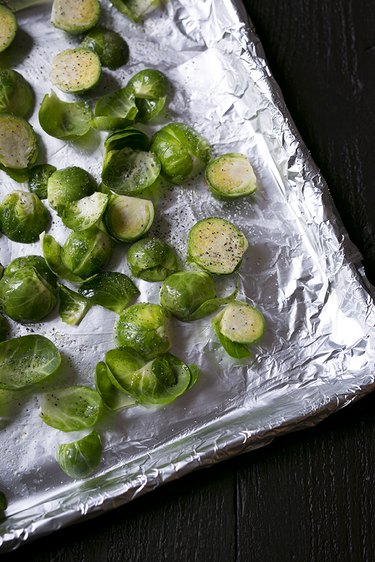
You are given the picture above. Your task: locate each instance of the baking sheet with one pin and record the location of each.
(301, 270)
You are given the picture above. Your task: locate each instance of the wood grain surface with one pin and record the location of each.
(309, 496)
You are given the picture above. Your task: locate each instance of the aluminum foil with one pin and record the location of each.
(301, 270)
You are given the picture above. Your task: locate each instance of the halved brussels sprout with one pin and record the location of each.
(121, 363)
(237, 326)
(23, 217)
(112, 397)
(4, 328)
(110, 47)
(64, 120)
(71, 408)
(149, 109)
(136, 9)
(8, 27)
(190, 295)
(216, 245)
(115, 110)
(72, 306)
(85, 213)
(75, 17)
(144, 327)
(152, 259)
(149, 84)
(110, 289)
(130, 172)
(68, 185)
(18, 143)
(129, 137)
(230, 176)
(38, 262)
(38, 179)
(182, 151)
(128, 218)
(80, 458)
(16, 94)
(27, 360)
(76, 70)
(86, 253)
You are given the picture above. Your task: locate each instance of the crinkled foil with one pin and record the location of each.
(301, 270)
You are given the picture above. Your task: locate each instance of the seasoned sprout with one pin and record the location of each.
(112, 397)
(128, 218)
(144, 327)
(80, 458)
(38, 263)
(110, 47)
(216, 245)
(64, 120)
(86, 253)
(75, 17)
(121, 363)
(76, 70)
(85, 213)
(4, 328)
(38, 179)
(150, 109)
(16, 94)
(110, 289)
(190, 295)
(230, 176)
(72, 306)
(182, 151)
(237, 326)
(149, 84)
(8, 27)
(130, 172)
(115, 110)
(23, 217)
(72, 408)
(152, 259)
(129, 137)
(136, 9)
(27, 360)
(52, 252)
(18, 143)
(68, 185)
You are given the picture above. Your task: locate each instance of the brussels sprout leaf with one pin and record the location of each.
(64, 120)
(71, 408)
(73, 307)
(112, 397)
(113, 290)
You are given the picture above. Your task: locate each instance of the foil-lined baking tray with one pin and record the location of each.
(301, 270)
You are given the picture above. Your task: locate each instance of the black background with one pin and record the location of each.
(309, 495)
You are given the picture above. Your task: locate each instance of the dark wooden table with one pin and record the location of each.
(309, 496)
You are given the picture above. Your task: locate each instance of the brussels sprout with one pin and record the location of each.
(110, 289)
(16, 94)
(129, 137)
(27, 360)
(38, 263)
(149, 84)
(64, 120)
(115, 110)
(80, 458)
(230, 176)
(75, 17)
(112, 397)
(237, 326)
(144, 327)
(181, 150)
(68, 185)
(8, 27)
(85, 213)
(23, 217)
(38, 179)
(52, 252)
(72, 306)
(71, 408)
(18, 143)
(122, 363)
(216, 245)
(86, 253)
(136, 9)
(149, 109)
(4, 328)
(190, 295)
(110, 47)
(76, 70)
(152, 259)
(27, 293)
(128, 218)
(130, 172)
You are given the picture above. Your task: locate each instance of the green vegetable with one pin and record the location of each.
(115, 110)
(38, 263)
(52, 252)
(71, 408)
(75, 17)
(122, 363)
(4, 328)
(38, 179)
(64, 120)
(69, 185)
(149, 84)
(129, 137)
(23, 217)
(150, 109)
(128, 218)
(216, 245)
(86, 253)
(112, 397)
(182, 151)
(237, 326)
(27, 360)
(152, 259)
(85, 213)
(76, 70)
(230, 176)
(72, 306)
(190, 295)
(136, 9)
(16, 94)
(8, 27)
(144, 327)
(110, 47)
(18, 143)
(110, 289)
(80, 458)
